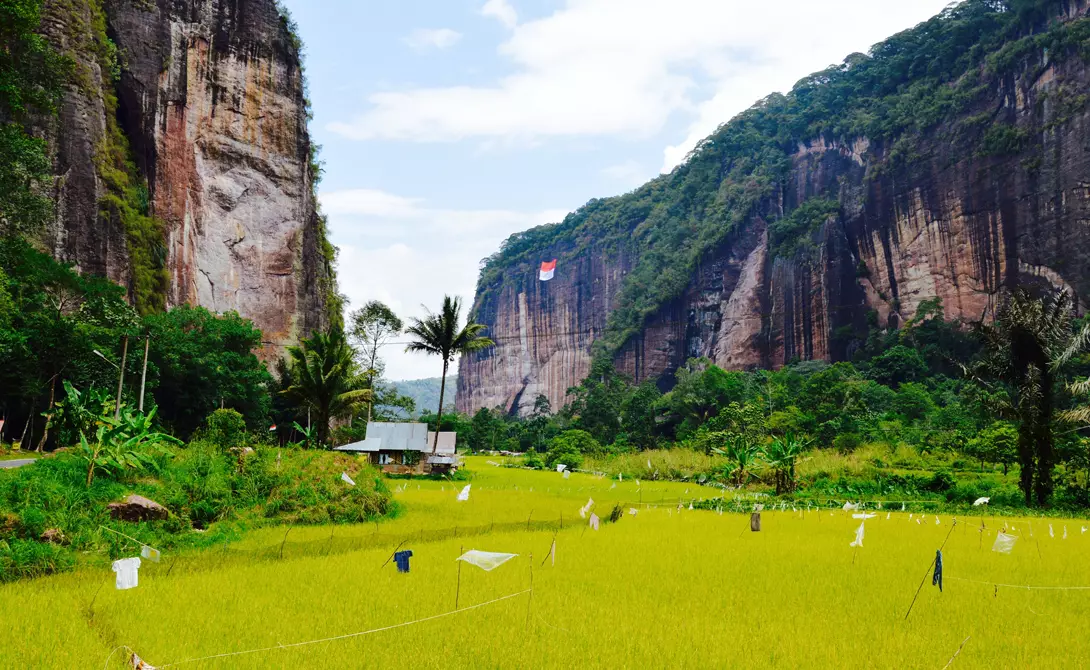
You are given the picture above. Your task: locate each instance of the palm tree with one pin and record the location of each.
(324, 380)
(1027, 345)
(440, 334)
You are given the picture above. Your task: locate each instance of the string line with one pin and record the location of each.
(1023, 586)
(344, 637)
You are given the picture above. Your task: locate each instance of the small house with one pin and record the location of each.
(406, 448)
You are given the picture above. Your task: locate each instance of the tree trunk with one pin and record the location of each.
(371, 383)
(439, 417)
(48, 415)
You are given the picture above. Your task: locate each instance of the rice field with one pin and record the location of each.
(664, 588)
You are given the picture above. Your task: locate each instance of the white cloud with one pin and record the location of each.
(624, 67)
(629, 174)
(502, 11)
(405, 253)
(429, 38)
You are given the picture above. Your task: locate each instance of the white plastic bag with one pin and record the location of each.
(594, 521)
(586, 508)
(464, 495)
(560, 467)
(858, 542)
(346, 479)
(849, 507)
(864, 516)
(981, 501)
(485, 560)
(1004, 543)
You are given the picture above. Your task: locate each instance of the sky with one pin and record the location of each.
(448, 125)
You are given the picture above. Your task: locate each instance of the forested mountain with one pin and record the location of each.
(425, 393)
(949, 162)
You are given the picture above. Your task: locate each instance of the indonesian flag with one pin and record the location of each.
(547, 270)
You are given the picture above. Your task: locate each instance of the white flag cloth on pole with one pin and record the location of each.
(149, 553)
(464, 495)
(346, 479)
(1065, 532)
(858, 542)
(485, 560)
(848, 507)
(567, 473)
(637, 483)
(560, 467)
(586, 508)
(887, 516)
(1050, 533)
(902, 507)
(633, 511)
(139, 664)
(690, 506)
(936, 520)
(594, 521)
(981, 501)
(1004, 543)
(864, 516)
(648, 460)
(620, 477)
(552, 552)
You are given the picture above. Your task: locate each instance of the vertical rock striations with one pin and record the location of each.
(992, 197)
(209, 97)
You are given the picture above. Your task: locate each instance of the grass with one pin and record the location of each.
(661, 589)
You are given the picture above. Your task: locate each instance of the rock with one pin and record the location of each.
(211, 99)
(53, 536)
(952, 224)
(138, 508)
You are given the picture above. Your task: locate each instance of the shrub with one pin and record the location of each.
(227, 428)
(846, 443)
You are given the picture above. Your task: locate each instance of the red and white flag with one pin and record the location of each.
(548, 269)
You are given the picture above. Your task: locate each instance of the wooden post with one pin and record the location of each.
(144, 373)
(755, 522)
(458, 591)
(121, 378)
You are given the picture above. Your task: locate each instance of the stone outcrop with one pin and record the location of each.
(210, 96)
(956, 223)
(136, 509)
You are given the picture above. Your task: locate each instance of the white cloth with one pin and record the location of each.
(937, 521)
(613, 486)
(864, 516)
(633, 511)
(637, 483)
(981, 501)
(858, 541)
(1050, 533)
(620, 477)
(1065, 532)
(648, 461)
(594, 521)
(586, 508)
(848, 507)
(567, 473)
(887, 516)
(127, 570)
(560, 467)
(149, 553)
(485, 560)
(346, 479)
(464, 495)
(690, 506)
(140, 664)
(1004, 543)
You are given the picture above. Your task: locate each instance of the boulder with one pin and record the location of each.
(53, 536)
(138, 508)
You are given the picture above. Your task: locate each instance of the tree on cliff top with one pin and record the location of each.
(440, 334)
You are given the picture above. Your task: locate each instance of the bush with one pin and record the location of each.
(941, 482)
(227, 428)
(533, 460)
(846, 443)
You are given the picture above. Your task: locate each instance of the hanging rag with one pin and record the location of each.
(140, 664)
(127, 570)
(858, 542)
(402, 560)
(485, 560)
(464, 495)
(149, 553)
(346, 479)
(936, 579)
(594, 521)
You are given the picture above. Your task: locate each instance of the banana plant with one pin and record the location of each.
(782, 455)
(127, 443)
(744, 456)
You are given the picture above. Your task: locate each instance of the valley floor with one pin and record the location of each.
(664, 588)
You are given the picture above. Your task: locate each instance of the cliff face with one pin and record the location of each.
(209, 96)
(960, 221)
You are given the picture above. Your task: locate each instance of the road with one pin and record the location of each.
(16, 464)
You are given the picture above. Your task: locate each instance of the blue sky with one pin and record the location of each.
(447, 125)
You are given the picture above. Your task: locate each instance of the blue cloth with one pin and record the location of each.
(936, 579)
(402, 560)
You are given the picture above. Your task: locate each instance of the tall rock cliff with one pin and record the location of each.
(184, 165)
(952, 162)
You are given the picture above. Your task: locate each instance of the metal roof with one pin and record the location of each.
(383, 436)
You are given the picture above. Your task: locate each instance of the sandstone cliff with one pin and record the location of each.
(990, 197)
(183, 160)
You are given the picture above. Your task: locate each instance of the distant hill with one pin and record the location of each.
(426, 393)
